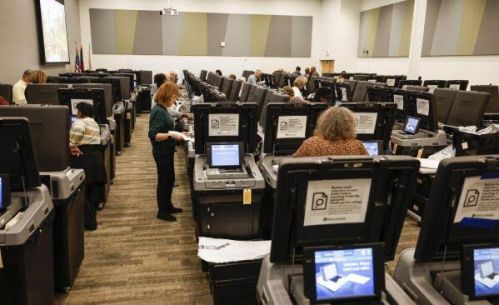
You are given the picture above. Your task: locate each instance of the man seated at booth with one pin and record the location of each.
(334, 135)
(255, 78)
(84, 141)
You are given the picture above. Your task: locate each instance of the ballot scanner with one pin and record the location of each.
(51, 124)
(336, 221)
(418, 134)
(228, 185)
(26, 221)
(455, 259)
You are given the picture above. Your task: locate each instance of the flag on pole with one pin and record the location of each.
(89, 57)
(82, 65)
(77, 61)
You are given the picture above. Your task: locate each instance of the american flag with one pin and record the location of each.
(82, 65)
(77, 62)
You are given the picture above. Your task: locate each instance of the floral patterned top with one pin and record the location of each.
(318, 146)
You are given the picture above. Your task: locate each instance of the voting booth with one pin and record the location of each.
(228, 186)
(285, 127)
(51, 124)
(456, 254)
(95, 97)
(374, 120)
(26, 221)
(419, 135)
(327, 207)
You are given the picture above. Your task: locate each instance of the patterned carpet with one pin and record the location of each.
(135, 259)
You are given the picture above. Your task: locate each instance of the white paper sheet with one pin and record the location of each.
(429, 163)
(217, 250)
(184, 137)
(447, 152)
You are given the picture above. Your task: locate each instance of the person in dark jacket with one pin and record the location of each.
(163, 140)
(84, 140)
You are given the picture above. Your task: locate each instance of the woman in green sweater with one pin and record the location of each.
(163, 149)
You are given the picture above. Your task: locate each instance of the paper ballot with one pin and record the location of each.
(217, 250)
(184, 137)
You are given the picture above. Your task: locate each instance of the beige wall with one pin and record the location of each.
(19, 38)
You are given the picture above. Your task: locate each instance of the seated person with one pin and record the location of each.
(313, 72)
(334, 135)
(254, 78)
(298, 85)
(288, 91)
(219, 72)
(232, 76)
(84, 141)
(292, 98)
(297, 71)
(19, 88)
(38, 77)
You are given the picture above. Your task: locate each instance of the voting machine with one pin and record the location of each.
(228, 185)
(456, 255)
(326, 207)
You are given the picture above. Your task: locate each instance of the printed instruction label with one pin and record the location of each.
(344, 94)
(455, 86)
(399, 100)
(291, 126)
(423, 106)
(479, 199)
(76, 101)
(223, 124)
(432, 88)
(336, 201)
(390, 82)
(366, 122)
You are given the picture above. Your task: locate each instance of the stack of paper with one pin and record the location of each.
(217, 250)
(184, 137)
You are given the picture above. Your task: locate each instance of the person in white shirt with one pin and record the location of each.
(254, 79)
(159, 79)
(299, 84)
(19, 88)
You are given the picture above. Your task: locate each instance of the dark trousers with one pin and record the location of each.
(93, 196)
(166, 180)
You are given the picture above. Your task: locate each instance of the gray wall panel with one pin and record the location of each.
(171, 34)
(217, 27)
(301, 40)
(279, 39)
(103, 31)
(148, 36)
